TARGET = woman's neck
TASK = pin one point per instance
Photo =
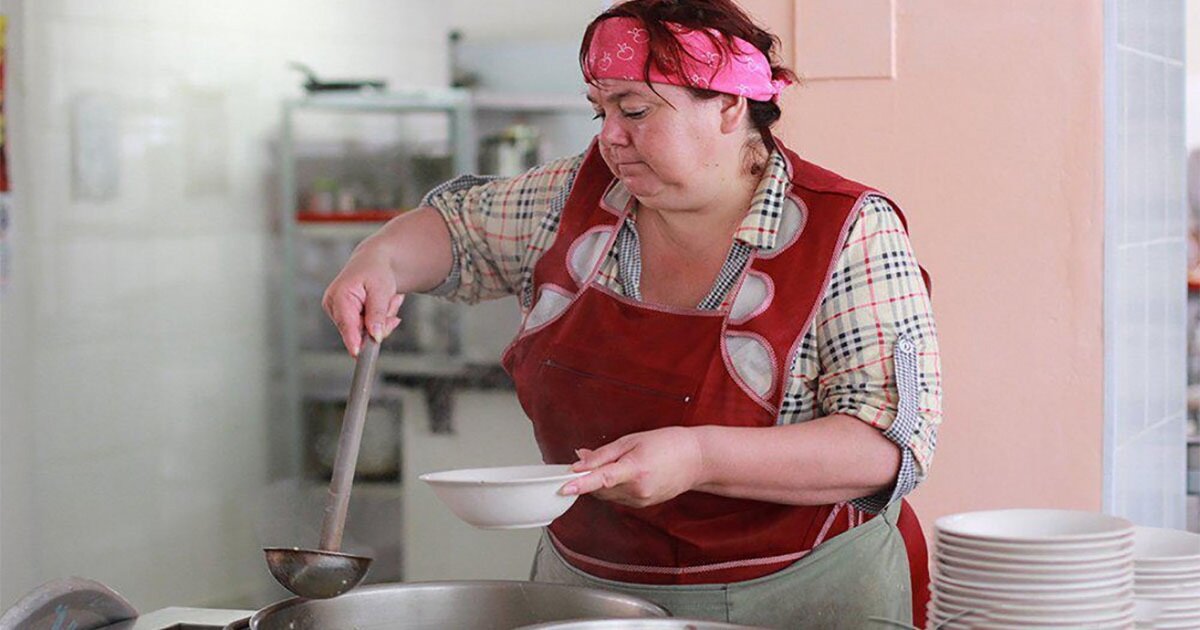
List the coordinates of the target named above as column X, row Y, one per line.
column 696, row 230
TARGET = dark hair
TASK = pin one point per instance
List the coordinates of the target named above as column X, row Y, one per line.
column 723, row 16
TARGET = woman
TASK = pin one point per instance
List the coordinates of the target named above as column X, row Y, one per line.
column 737, row 344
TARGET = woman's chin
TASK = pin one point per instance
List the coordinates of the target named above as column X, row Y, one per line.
column 640, row 186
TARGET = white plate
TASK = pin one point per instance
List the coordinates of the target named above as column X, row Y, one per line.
column 1053, row 558
column 1121, row 620
column 1100, row 596
column 1149, row 590
column 1156, row 546
column 1034, row 526
column 1006, row 563
column 1123, row 580
column 1117, row 546
column 1037, row 618
column 1173, row 624
column 950, row 606
column 1160, row 580
column 1019, row 577
column 1103, row 603
column 1185, row 598
column 1181, row 572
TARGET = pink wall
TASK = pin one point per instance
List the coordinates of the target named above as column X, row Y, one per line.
column 990, row 137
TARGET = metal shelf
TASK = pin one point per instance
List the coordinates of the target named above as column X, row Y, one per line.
column 298, row 364
column 425, row 99
column 348, row 230
column 530, row 103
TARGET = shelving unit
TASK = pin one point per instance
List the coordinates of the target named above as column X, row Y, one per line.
column 299, row 227
column 433, row 370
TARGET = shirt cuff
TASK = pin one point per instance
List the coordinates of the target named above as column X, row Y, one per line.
column 436, row 199
column 450, row 285
column 903, row 426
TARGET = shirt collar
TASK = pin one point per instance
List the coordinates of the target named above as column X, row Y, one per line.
column 761, row 226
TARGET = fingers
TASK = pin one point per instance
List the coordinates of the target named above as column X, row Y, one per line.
column 393, row 312
column 377, row 310
column 606, row 476
column 392, row 323
column 345, row 309
column 393, row 308
column 611, row 452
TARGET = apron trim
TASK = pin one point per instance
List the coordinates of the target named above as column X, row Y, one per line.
column 850, row 220
column 703, row 568
column 786, row 558
column 776, row 376
column 657, row 308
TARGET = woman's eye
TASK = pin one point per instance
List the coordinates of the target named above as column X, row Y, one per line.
column 635, row 114
column 597, row 115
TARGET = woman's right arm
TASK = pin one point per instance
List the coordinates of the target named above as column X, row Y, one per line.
column 411, row 253
column 471, row 239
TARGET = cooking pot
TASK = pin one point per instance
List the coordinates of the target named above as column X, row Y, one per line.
column 638, row 624
column 464, row 605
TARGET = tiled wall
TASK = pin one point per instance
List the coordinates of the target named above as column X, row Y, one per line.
column 1145, row 259
column 150, row 327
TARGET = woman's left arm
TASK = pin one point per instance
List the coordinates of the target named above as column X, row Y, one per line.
column 827, row 460
column 876, row 376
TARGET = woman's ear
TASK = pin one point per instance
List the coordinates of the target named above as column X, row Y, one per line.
column 734, row 110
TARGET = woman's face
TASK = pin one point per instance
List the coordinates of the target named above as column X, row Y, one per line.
column 670, row 155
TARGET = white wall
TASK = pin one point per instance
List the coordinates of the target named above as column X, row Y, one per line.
column 508, row 19
column 16, row 343
column 1193, row 74
column 136, row 380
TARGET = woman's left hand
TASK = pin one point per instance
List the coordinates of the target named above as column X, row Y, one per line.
column 641, row 469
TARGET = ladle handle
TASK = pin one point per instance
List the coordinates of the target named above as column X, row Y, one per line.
column 338, row 501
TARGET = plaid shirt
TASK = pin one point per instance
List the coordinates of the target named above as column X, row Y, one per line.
column 872, row 350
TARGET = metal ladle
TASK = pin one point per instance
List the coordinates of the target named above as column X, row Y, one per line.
column 327, row 572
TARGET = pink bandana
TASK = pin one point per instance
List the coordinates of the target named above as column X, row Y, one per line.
column 620, row 46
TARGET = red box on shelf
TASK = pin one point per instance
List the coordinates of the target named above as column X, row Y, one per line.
column 359, row 216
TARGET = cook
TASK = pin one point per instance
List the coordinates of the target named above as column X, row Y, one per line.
column 736, row 343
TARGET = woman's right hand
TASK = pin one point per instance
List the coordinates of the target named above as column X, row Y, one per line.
column 364, row 296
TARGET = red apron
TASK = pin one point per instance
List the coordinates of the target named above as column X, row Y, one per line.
column 608, row 366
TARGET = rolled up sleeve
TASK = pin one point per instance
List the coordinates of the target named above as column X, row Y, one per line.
column 499, row 227
column 877, row 343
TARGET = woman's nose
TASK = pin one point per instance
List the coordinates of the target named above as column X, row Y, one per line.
column 612, row 133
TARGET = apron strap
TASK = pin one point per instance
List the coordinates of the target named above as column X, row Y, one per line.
column 918, row 559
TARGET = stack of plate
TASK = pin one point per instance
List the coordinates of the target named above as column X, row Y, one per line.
column 1010, row 569
column 1166, row 570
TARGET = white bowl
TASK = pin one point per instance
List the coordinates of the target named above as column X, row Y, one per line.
column 1183, row 573
column 1034, row 526
column 509, row 497
column 1021, row 618
column 1153, row 579
column 1089, row 558
column 1116, row 546
column 1099, row 603
column 1001, row 586
column 1009, row 565
column 1166, row 548
column 1007, row 576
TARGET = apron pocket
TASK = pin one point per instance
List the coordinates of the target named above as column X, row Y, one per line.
column 578, row 425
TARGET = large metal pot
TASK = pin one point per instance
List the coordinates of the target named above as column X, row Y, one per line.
column 639, row 624
column 474, row 605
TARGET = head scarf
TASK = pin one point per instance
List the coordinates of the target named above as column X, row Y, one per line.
column 621, row 45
